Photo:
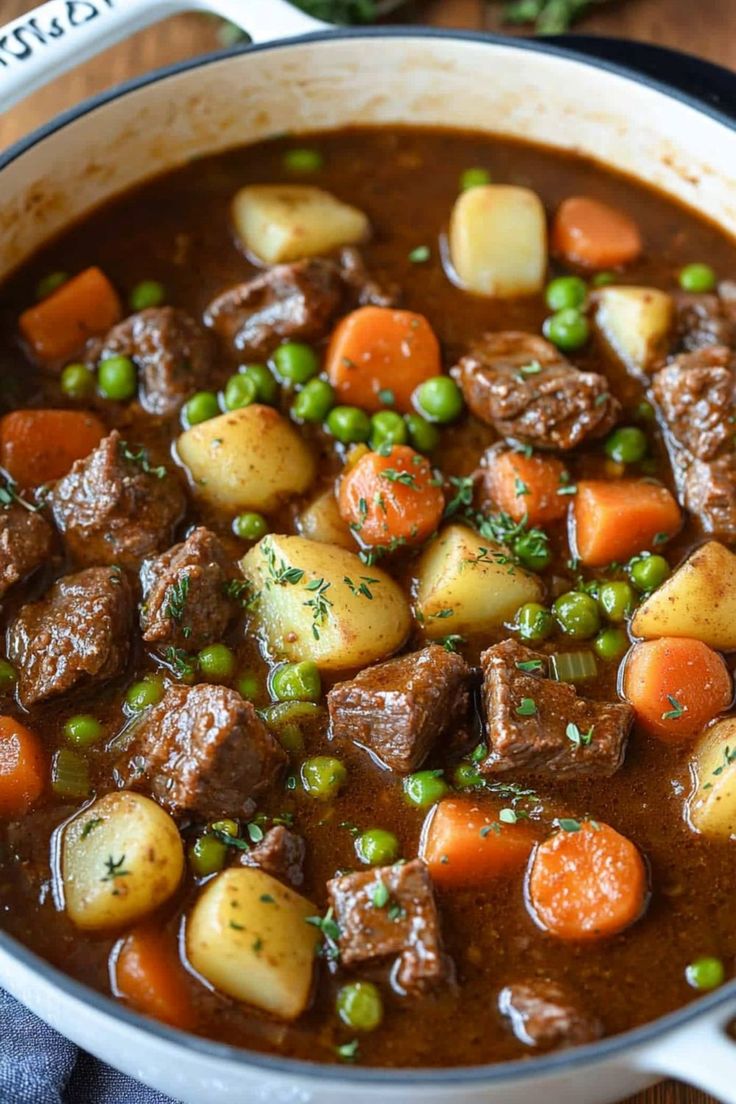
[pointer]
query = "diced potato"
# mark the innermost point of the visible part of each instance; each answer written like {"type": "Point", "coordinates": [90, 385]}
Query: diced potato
{"type": "Point", "coordinates": [121, 858]}
{"type": "Point", "coordinates": [321, 521]}
{"type": "Point", "coordinates": [249, 459]}
{"type": "Point", "coordinates": [498, 240]}
{"type": "Point", "coordinates": [467, 585]}
{"type": "Point", "coordinates": [712, 805]}
{"type": "Point", "coordinates": [248, 936]}
{"type": "Point", "coordinates": [636, 323]}
{"type": "Point", "coordinates": [310, 605]}
{"type": "Point", "coordinates": [698, 601]}
{"type": "Point", "coordinates": [285, 222]}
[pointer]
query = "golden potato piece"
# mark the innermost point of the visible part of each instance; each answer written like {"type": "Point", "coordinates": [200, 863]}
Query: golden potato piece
{"type": "Point", "coordinates": [636, 323]}
{"type": "Point", "coordinates": [498, 240]}
{"type": "Point", "coordinates": [285, 222]}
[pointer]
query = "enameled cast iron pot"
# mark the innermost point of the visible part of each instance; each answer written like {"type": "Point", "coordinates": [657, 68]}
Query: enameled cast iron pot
{"type": "Point", "coordinates": [670, 122]}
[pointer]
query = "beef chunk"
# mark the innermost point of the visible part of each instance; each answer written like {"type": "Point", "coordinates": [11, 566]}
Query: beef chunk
{"type": "Point", "coordinates": [398, 710]}
{"type": "Point", "coordinates": [173, 353]}
{"type": "Point", "coordinates": [704, 320]}
{"type": "Point", "coordinates": [391, 912]}
{"type": "Point", "coordinates": [25, 543]}
{"type": "Point", "coordinates": [529, 719]}
{"type": "Point", "coordinates": [544, 1015]}
{"type": "Point", "coordinates": [709, 493]}
{"type": "Point", "coordinates": [185, 604]}
{"type": "Point", "coordinates": [113, 507]}
{"type": "Point", "coordinates": [365, 290]}
{"type": "Point", "coordinates": [78, 633]}
{"type": "Point", "coordinates": [280, 853]}
{"type": "Point", "coordinates": [203, 750]}
{"type": "Point", "coordinates": [521, 385]}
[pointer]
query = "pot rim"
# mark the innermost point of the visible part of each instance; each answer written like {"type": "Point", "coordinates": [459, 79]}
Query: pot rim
{"type": "Point", "coordinates": [491, 1074]}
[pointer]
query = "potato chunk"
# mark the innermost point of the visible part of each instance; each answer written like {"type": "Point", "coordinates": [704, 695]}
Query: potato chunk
{"type": "Point", "coordinates": [248, 936]}
{"type": "Point", "coordinates": [311, 605]}
{"type": "Point", "coordinates": [466, 584]}
{"type": "Point", "coordinates": [285, 222]}
{"type": "Point", "coordinates": [636, 323]}
{"type": "Point", "coordinates": [321, 521]}
{"type": "Point", "coordinates": [698, 601]}
{"type": "Point", "coordinates": [498, 240]}
{"type": "Point", "coordinates": [249, 459]}
{"type": "Point", "coordinates": [121, 858]}
{"type": "Point", "coordinates": [712, 804]}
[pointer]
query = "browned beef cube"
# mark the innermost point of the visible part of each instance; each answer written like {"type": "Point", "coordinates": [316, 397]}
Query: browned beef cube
{"type": "Point", "coordinates": [362, 288]}
{"type": "Point", "coordinates": [703, 320]}
{"type": "Point", "coordinates": [280, 853]}
{"type": "Point", "coordinates": [115, 506]}
{"type": "Point", "coordinates": [78, 633]}
{"type": "Point", "coordinates": [520, 384]}
{"type": "Point", "coordinates": [545, 1015]}
{"type": "Point", "coordinates": [537, 724]}
{"type": "Point", "coordinates": [185, 603]}
{"type": "Point", "coordinates": [399, 709]}
{"type": "Point", "coordinates": [25, 543]}
{"type": "Point", "coordinates": [204, 750]}
{"type": "Point", "coordinates": [709, 493]}
{"type": "Point", "coordinates": [390, 912]}
{"type": "Point", "coordinates": [173, 353]}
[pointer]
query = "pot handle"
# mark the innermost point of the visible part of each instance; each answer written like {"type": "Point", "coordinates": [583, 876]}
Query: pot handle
{"type": "Point", "coordinates": [701, 1054]}
{"type": "Point", "coordinates": [61, 34]}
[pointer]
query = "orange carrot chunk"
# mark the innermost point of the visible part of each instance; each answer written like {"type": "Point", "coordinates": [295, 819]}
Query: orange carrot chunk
{"type": "Point", "coordinates": [612, 520]}
{"type": "Point", "coordinates": [587, 883]}
{"type": "Point", "coordinates": [589, 233]}
{"type": "Point", "coordinates": [22, 768]}
{"type": "Point", "coordinates": [39, 446]}
{"type": "Point", "coordinates": [527, 486]}
{"type": "Point", "coordinates": [391, 499]}
{"type": "Point", "coordinates": [59, 326]}
{"type": "Point", "coordinates": [377, 357]}
{"type": "Point", "coordinates": [150, 976]}
{"type": "Point", "coordinates": [676, 686]}
{"type": "Point", "coordinates": [466, 842]}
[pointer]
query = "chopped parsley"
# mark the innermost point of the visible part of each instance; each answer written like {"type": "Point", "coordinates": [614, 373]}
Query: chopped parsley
{"type": "Point", "coordinates": [348, 1051]}
{"type": "Point", "coordinates": [527, 707]}
{"type": "Point", "coordinates": [407, 479]}
{"type": "Point", "coordinates": [330, 934]}
{"type": "Point", "coordinates": [380, 895]}
{"type": "Point", "coordinates": [463, 495]}
{"type": "Point", "coordinates": [420, 254]}
{"type": "Point", "coordinates": [386, 396]}
{"type": "Point", "coordinates": [533, 368]}
{"type": "Point", "coordinates": [90, 826]}
{"type": "Point", "coordinates": [568, 825]}
{"type": "Point", "coordinates": [396, 912]}
{"type": "Point", "coordinates": [520, 487]}
{"type": "Point", "coordinates": [578, 738]}
{"type": "Point", "coordinates": [451, 643]}
{"type": "Point", "coordinates": [181, 663]}
{"type": "Point", "coordinates": [530, 665]}
{"type": "Point", "coordinates": [176, 600]}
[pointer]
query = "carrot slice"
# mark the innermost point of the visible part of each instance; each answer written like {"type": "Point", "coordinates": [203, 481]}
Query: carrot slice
{"type": "Point", "coordinates": [676, 686]}
{"type": "Point", "coordinates": [378, 350]}
{"type": "Point", "coordinates": [39, 446]}
{"type": "Point", "coordinates": [612, 520]}
{"type": "Point", "coordinates": [22, 768]}
{"type": "Point", "coordinates": [588, 883]}
{"type": "Point", "coordinates": [59, 326]}
{"type": "Point", "coordinates": [590, 233]}
{"type": "Point", "coordinates": [148, 973]}
{"type": "Point", "coordinates": [527, 486]}
{"type": "Point", "coordinates": [392, 498]}
{"type": "Point", "coordinates": [466, 842]}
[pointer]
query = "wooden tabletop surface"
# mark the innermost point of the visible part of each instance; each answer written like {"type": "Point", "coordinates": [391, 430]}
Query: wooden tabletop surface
{"type": "Point", "coordinates": [703, 27]}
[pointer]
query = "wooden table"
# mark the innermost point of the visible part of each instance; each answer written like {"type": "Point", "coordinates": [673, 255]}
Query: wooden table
{"type": "Point", "coordinates": [705, 27]}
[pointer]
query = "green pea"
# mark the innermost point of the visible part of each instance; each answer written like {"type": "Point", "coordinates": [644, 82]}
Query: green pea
{"type": "Point", "coordinates": [648, 572]}
{"type": "Point", "coordinates": [603, 279]}
{"type": "Point", "coordinates": [627, 445]}
{"type": "Point", "coordinates": [439, 399]}
{"type": "Point", "coordinates": [149, 691]}
{"type": "Point", "coordinates": [201, 407]}
{"type": "Point", "coordinates": [349, 424]}
{"type": "Point", "coordinates": [360, 1006]}
{"type": "Point", "coordinates": [617, 600]}
{"type": "Point", "coordinates": [227, 827]}
{"type": "Point", "coordinates": [532, 551]}
{"type": "Point", "coordinates": [296, 682]}
{"type": "Point", "coordinates": [83, 730]}
{"type": "Point", "coordinates": [248, 685]}
{"type": "Point", "coordinates": [577, 614]}
{"type": "Point", "coordinates": [217, 662]}
{"type": "Point", "coordinates": [50, 283]}
{"type": "Point", "coordinates": [295, 362]}
{"type": "Point", "coordinates": [705, 973]}
{"type": "Point", "coordinates": [148, 293]}
{"type": "Point", "coordinates": [377, 847]}
{"type": "Point", "coordinates": [425, 788]}
{"type": "Point", "coordinates": [303, 160]}
{"type": "Point", "coordinates": [388, 428]}
{"type": "Point", "coordinates": [568, 329]}
{"type": "Point", "coordinates": [474, 178]}
{"type": "Point", "coordinates": [534, 623]}
{"type": "Point", "coordinates": [250, 526]}
{"type": "Point", "coordinates": [565, 291]}
{"type": "Point", "coordinates": [207, 856]}
{"type": "Point", "coordinates": [466, 775]}
{"type": "Point", "coordinates": [645, 411]}
{"type": "Point", "coordinates": [117, 378]}
{"type": "Point", "coordinates": [239, 391]}
{"type": "Point", "coordinates": [610, 644]}
{"type": "Point", "coordinates": [423, 436]}
{"type": "Point", "coordinates": [8, 676]}
{"type": "Point", "coordinates": [291, 738]}
{"type": "Point", "coordinates": [697, 277]}
{"type": "Point", "coordinates": [314, 402]}
{"type": "Point", "coordinates": [267, 388]}
{"type": "Point", "coordinates": [323, 776]}
{"type": "Point", "coordinates": [77, 382]}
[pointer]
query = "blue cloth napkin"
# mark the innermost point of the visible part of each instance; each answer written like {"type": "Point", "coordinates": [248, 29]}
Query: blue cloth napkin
{"type": "Point", "coordinates": [39, 1066]}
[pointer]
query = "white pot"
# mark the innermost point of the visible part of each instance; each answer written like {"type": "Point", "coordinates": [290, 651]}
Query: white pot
{"type": "Point", "coordinates": [410, 75]}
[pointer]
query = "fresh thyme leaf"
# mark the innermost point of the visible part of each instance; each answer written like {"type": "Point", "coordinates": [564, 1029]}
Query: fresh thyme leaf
{"type": "Point", "coordinates": [90, 826]}
{"type": "Point", "coordinates": [463, 496]}
{"type": "Point", "coordinates": [420, 254]}
{"type": "Point", "coordinates": [9, 494]}
{"type": "Point", "coordinates": [320, 604]}
{"type": "Point", "coordinates": [440, 615]}
{"type": "Point", "coordinates": [237, 842]}
{"type": "Point", "coordinates": [255, 832]}
{"type": "Point", "coordinates": [348, 1051]}
{"type": "Point", "coordinates": [181, 663]}
{"type": "Point", "coordinates": [530, 665]}
{"type": "Point", "coordinates": [451, 643]}
{"type": "Point", "coordinates": [527, 707]}
{"type": "Point", "coordinates": [362, 588]}
{"type": "Point", "coordinates": [729, 757]}
{"type": "Point", "coordinates": [404, 477]}
{"type": "Point", "coordinates": [387, 397]}
{"type": "Point", "coordinates": [568, 825]}
{"type": "Point", "coordinates": [575, 736]}
{"type": "Point", "coordinates": [115, 868]}
{"type": "Point", "coordinates": [141, 459]}
{"type": "Point", "coordinates": [676, 711]}
{"type": "Point", "coordinates": [520, 487]}
{"type": "Point", "coordinates": [380, 895]}
{"type": "Point", "coordinates": [176, 600]}
{"type": "Point", "coordinates": [330, 934]}
{"type": "Point", "coordinates": [280, 573]}
{"type": "Point", "coordinates": [396, 912]}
